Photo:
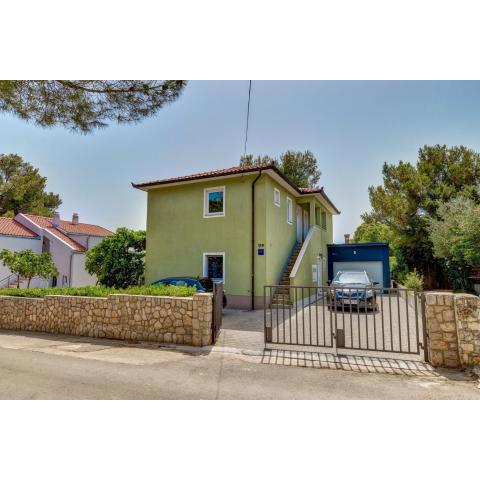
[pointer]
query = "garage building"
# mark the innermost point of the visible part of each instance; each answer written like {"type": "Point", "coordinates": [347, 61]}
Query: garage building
{"type": "Point", "coordinates": [371, 257]}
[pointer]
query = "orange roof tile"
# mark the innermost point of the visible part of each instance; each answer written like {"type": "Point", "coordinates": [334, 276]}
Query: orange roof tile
{"type": "Point", "coordinates": [59, 234]}
{"type": "Point", "coordinates": [10, 227]}
{"type": "Point", "coordinates": [69, 227]}
{"type": "Point", "coordinates": [235, 171]}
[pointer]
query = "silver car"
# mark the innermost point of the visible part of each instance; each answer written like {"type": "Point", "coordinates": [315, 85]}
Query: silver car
{"type": "Point", "coordinates": [353, 288]}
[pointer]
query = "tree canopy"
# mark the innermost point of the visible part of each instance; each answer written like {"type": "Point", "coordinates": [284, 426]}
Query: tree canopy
{"type": "Point", "coordinates": [455, 236]}
{"type": "Point", "coordinates": [84, 105]}
{"type": "Point", "coordinates": [22, 189]}
{"type": "Point", "coordinates": [300, 167]}
{"type": "Point", "coordinates": [118, 260]}
{"type": "Point", "coordinates": [374, 232]}
{"type": "Point", "coordinates": [411, 194]}
{"type": "Point", "coordinates": [28, 264]}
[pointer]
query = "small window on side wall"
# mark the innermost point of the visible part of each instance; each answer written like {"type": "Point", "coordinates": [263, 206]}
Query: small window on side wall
{"type": "Point", "coordinates": [276, 197]}
{"type": "Point", "coordinates": [324, 220]}
{"type": "Point", "coordinates": [289, 211]}
{"type": "Point", "coordinates": [214, 202]}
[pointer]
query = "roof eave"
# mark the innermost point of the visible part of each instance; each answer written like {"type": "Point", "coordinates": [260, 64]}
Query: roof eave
{"type": "Point", "coordinates": [146, 186]}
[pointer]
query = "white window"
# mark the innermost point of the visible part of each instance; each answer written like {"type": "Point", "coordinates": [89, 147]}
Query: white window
{"type": "Point", "coordinates": [214, 266]}
{"type": "Point", "coordinates": [214, 202]}
{"type": "Point", "coordinates": [276, 197]}
{"type": "Point", "coordinates": [289, 211]}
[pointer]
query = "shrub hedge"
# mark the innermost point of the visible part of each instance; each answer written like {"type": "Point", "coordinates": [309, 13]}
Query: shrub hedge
{"type": "Point", "coordinates": [100, 291]}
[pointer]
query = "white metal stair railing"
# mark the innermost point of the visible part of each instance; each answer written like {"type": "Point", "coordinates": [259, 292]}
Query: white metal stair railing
{"type": "Point", "coordinates": [8, 281]}
{"type": "Point", "coordinates": [12, 281]}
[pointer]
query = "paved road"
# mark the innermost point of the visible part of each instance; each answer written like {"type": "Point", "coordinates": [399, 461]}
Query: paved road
{"type": "Point", "coordinates": [39, 366]}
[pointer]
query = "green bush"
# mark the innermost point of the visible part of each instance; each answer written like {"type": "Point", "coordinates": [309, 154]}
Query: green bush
{"type": "Point", "coordinates": [412, 280]}
{"type": "Point", "coordinates": [99, 291]}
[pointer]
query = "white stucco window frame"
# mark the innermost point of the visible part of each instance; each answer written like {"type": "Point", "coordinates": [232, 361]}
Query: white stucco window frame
{"type": "Point", "coordinates": [205, 262]}
{"type": "Point", "coordinates": [206, 191]}
{"type": "Point", "coordinates": [289, 211]}
{"type": "Point", "coordinates": [276, 197]}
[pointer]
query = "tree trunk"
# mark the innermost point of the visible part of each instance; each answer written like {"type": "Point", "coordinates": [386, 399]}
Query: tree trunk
{"type": "Point", "coordinates": [28, 283]}
{"type": "Point", "coordinates": [18, 281]}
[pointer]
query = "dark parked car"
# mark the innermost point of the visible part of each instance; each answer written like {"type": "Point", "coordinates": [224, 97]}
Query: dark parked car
{"type": "Point", "coordinates": [202, 284]}
{"type": "Point", "coordinates": [353, 288]}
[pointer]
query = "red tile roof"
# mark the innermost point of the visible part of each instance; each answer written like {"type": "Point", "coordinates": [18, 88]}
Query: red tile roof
{"type": "Point", "coordinates": [10, 227]}
{"type": "Point", "coordinates": [210, 174]}
{"type": "Point", "coordinates": [59, 234]}
{"type": "Point", "coordinates": [310, 190]}
{"type": "Point", "coordinates": [235, 171]}
{"type": "Point", "coordinates": [69, 227]}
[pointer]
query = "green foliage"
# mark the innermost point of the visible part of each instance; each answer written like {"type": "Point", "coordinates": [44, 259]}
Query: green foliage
{"type": "Point", "coordinates": [411, 194]}
{"type": "Point", "coordinates": [300, 167]}
{"type": "Point", "coordinates": [372, 231]}
{"type": "Point", "coordinates": [99, 291]}
{"type": "Point", "coordinates": [118, 260]}
{"type": "Point", "coordinates": [28, 264]}
{"type": "Point", "coordinates": [84, 105]}
{"type": "Point", "coordinates": [22, 189]}
{"type": "Point", "coordinates": [412, 280]}
{"type": "Point", "coordinates": [375, 232]}
{"type": "Point", "coordinates": [455, 235]}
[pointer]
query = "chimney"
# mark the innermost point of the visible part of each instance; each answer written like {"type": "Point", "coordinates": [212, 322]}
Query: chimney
{"type": "Point", "coordinates": [347, 238]}
{"type": "Point", "coordinates": [56, 219]}
{"type": "Point", "coordinates": [75, 219]}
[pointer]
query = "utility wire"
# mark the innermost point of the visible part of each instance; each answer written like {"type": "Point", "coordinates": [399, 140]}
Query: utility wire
{"type": "Point", "coordinates": [248, 116]}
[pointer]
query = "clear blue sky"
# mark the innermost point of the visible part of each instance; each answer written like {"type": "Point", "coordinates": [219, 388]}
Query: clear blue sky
{"type": "Point", "coordinates": [351, 127]}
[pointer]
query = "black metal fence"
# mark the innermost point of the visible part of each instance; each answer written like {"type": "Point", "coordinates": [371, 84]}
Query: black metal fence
{"type": "Point", "coordinates": [372, 319]}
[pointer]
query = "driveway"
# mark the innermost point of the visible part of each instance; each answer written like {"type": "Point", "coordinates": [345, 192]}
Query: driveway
{"type": "Point", "coordinates": [395, 326]}
{"type": "Point", "coordinates": [41, 366]}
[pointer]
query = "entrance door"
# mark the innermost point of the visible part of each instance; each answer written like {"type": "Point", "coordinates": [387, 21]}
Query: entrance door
{"type": "Point", "coordinates": [299, 224]}
{"type": "Point", "coordinates": [305, 224]}
{"type": "Point", "coordinates": [214, 266]}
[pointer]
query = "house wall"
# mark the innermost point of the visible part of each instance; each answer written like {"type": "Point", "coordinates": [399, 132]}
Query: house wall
{"type": "Point", "coordinates": [281, 237]}
{"type": "Point", "coordinates": [70, 265]}
{"type": "Point", "coordinates": [302, 277]}
{"type": "Point", "coordinates": [80, 276]}
{"type": "Point", "coordinates": [178, 234]}
{"type": "Point", "coordinates": [17, 244]}
{"type": "Point", "coordinates": [87, 241]}
{"type": "Point", "coordinates": [61, 256]}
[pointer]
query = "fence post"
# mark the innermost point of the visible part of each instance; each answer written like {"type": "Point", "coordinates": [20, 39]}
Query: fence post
{"type": "Point", "coordinates": [424, 327]}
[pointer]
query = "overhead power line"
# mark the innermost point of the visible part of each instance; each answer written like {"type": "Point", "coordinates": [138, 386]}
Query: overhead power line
{"type": "Point", "coordinates": [248, 116]}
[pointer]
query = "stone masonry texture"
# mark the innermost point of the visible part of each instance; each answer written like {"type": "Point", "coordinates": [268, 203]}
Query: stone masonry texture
{"type": "Point", "coordinates": [453, 326]}
{"type": "Point", "coordinates": [467, 313]}
{"type": "Point", "coordinates": [186, 320]}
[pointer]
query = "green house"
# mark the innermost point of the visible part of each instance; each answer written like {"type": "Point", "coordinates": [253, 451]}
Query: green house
{"type": "Point", "coordinates": [247, 226]}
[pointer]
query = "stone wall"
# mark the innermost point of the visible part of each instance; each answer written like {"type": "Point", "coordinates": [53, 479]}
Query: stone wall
{"type": "Point", "coordinates": [467, 313]}
{"type": "Point", "coordinates": [126, 317]}
{"type": "Point", "coordinates": [453, 327]}
{"type": "Point", "coordinates": [442, 330]}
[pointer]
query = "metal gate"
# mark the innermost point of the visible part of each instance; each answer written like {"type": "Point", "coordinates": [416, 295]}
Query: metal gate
{"type": "Point", "coordinates": [388, 320]}
{"type": "Point", "coordinates": [217, 309]}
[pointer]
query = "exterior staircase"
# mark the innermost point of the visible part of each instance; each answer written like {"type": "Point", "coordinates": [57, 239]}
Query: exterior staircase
{"type": "Point", "coordinates": [281, 297]}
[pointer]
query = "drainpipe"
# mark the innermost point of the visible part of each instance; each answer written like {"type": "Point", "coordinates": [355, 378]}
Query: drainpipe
{"type": "Point", "coordinates": [253, 240]}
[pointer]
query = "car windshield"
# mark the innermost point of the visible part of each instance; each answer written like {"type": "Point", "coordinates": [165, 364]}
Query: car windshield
{"type": "Point", "coordinates": [351, 277]}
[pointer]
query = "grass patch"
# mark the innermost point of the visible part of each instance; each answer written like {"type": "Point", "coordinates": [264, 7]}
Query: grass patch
{"type": "Point", "coordinates": [99, 291]}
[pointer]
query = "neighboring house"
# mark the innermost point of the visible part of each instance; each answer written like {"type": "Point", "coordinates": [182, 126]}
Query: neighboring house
{"type": "Point", "coordinates": [66, 241]}
{"type": "Point", "coordinates": [248, 226]}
